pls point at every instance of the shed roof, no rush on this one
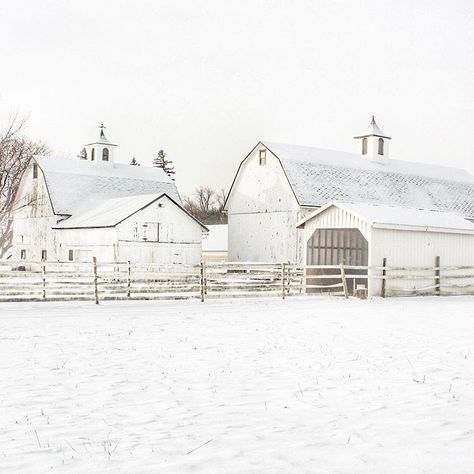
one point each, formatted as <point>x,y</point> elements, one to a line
<point>318,176</point>
<point>382,216</point>
<point>73,184</point>
<point>111,212</point>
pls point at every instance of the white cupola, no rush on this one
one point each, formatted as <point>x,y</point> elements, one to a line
<point>374,143</point>
<point>101,152</point>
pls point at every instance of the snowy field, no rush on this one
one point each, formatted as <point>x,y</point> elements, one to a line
<point>308,385</point>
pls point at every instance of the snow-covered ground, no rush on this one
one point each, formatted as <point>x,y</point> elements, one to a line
<point>315,385</point>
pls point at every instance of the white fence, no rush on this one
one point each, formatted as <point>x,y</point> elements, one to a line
<point>62,281</point>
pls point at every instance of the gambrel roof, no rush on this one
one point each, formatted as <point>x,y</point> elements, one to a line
<point>73,184</point>
<point>318,176</point>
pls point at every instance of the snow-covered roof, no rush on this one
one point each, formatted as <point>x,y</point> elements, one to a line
<point>216,241</point>
<point>110,212</point>
<point>373,130</point>
<point>318,176</point>
<point>103,140</point>
<point>73,183</point>
<point>395,216</point>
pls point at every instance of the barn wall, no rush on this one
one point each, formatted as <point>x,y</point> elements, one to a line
<point>87,243</point>
<point>180,236</point>
<point>33,219</point>
<point>417,248</point>
<point>263,213</point>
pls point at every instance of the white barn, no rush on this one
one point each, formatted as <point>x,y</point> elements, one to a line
<point>277,185</point>
<point>362,234</point>
<point>76,209</point>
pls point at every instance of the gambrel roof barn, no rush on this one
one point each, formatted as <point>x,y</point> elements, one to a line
<point>277,184</point>
<point>75,209</point>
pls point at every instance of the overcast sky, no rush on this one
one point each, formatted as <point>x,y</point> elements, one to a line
<point>207,79</point>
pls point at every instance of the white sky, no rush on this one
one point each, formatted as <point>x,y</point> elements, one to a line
<point>207,79</point>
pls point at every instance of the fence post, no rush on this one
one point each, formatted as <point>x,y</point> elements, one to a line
<point>43,275</point>
<point>384,276</point>
<point>96,289</point>
<point>201,269</point>
<point>283,280</point>
<point>129,278</point>
<point>437,276</point>
<point>344,282</point>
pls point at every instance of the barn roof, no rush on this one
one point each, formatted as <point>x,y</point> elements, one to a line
<point>382,216</point>
<point>318,176</point>
<point>73,183</point>
<point>110,212</point>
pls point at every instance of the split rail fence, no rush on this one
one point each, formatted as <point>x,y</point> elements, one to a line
<point>98,281</point>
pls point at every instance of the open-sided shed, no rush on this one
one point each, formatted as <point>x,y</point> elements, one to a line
<point>362,234</point>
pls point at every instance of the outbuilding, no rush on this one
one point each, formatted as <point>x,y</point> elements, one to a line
<point>367,235</point>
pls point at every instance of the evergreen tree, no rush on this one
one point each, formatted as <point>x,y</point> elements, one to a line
<point>161,162</point>
<point>82,154</point>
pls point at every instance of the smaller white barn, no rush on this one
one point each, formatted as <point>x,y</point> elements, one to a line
<point>71,210</point>
<point>362,234</point>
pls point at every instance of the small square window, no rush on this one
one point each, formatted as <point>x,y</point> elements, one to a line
<point>23,254</point>
<point>263,157</point>
<point>44,255</point>
<point>71,255</point>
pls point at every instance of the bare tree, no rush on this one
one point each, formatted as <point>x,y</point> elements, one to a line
<point>16,152</point>
<point>206,205</point>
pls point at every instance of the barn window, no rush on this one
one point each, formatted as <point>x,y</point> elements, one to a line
<point>35,171</point>
<point>105,154</point>
<point>151,232</point>
<point>71,255</point>
<point>93,154</point>
<point>44,255</point>
<point>381,146</point>
<point>364,146</point>
<point>23,254</point>
<point>263,157</point>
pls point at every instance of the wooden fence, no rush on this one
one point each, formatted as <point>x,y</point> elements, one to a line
<point>98,281</point>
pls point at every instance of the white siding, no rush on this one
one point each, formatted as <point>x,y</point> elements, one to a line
<point>33,219</point>
<point>263,213</point>
<point>180,236</point>
<point>408,248</point>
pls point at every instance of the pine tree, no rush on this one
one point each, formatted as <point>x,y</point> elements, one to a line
<point>82,154</point>
<point>134,162</point>
<point>161,162</point>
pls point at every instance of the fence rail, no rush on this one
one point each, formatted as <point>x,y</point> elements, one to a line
<point>98,281</point>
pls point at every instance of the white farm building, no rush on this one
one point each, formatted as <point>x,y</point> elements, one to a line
<point>361,234</point>
<point>76,209</point>
<point>277,186</point>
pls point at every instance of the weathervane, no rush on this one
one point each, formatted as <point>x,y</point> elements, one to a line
<point>102,127</point>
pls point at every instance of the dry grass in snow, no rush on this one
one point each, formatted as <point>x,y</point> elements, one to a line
<point>303,385</point>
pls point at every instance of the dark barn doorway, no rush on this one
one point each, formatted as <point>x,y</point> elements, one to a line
<point>333,247</point>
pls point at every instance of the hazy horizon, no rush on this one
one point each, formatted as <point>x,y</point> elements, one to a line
<point>206,80</point>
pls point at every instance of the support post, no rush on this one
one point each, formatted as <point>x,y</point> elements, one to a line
<point>201,281</point>
<point>384,276</point>
<point>344,282</point>
<point>437,276</point>
<point>129,278</point>
<point>43,275</point>
<point>96,289</point>
<point>283,280</point>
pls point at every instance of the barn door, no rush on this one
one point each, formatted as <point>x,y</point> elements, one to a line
<point>336,246</point>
